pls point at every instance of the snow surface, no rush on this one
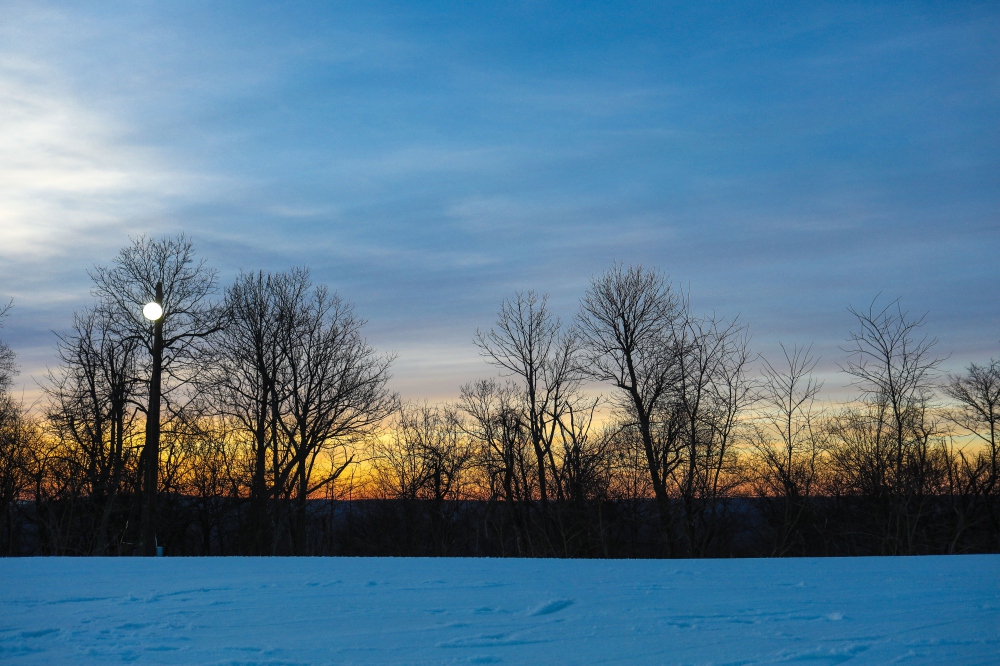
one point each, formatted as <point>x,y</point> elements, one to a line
<point>480,611</point>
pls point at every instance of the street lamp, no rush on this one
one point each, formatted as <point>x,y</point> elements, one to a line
<point>154,312</point>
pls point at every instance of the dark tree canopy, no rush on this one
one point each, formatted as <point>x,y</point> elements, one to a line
<point>644,429</point>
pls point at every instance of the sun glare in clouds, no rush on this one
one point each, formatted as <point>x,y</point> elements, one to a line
<point>66,173</point>
<point>72,189</point>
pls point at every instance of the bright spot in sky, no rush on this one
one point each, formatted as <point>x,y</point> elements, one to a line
<point>152,311</point>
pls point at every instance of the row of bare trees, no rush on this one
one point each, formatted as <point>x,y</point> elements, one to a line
<point>292,382</point>
<point>263,388</point>
<point>279,434</point>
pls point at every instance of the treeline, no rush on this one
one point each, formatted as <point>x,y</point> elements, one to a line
<point>276,433</point>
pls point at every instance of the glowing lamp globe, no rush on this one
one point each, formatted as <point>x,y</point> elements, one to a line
<point>152,311</point>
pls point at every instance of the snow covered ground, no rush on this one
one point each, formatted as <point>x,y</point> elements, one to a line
<point>931,610</point>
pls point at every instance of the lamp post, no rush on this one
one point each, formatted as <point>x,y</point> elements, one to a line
<point>154,312</point>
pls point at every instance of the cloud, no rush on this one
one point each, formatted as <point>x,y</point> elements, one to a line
<point>427,167</point>
<point>73,187</point>
<point>67,177</point>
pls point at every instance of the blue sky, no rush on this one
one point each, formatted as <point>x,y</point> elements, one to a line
<point>428,159</point>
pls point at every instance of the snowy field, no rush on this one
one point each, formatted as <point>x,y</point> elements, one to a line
<point>927,610</point>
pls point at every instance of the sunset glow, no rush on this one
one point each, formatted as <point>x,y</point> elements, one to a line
<point>548,332</point>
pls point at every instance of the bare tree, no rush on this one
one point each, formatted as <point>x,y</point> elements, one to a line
<point>892,367</point>
<point>527,343</point>
<point>17,435</point>
<point>629,486</point>
<point>583,467</point>
<point>8,367</point>
<point>886,444</point>
<point>977,393</point>
<point>335,394</point>
<point>583,458</point>
<point>163,269</point>
<point>626,325</point>
<point>425,459</point>
<point>712,390</point>
<point>92,399</point>
<point>210,481</point>
<point>247,380</point>
<point>496,426</point>
<point>788,449</point>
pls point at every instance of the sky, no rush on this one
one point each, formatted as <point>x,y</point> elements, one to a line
<point>782,161</point>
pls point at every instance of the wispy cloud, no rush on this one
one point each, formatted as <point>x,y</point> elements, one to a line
<point>785,161</point>
<point>68,178</point>
<point>73,186</point>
